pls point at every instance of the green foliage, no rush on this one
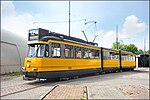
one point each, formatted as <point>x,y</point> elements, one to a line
<point>132,48</point>
<point>148,51</point>
<point>129,48</point>
<point>125,47</point>
<point>140,52</point>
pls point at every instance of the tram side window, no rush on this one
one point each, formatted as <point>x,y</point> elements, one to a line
<point>106,55</point>
<point>68,51</point>
<point>133,58</point>
<point>127,57</point>
<point>46,51</point>
<point>92,54</point>
<point>123,57</point>
<point>114,56</point>
<point>110,55</point>
<point>96,53</point>
<point>130,58</point>
<point>78,52</point>
<point>55,50</point>
<point>85,53</point>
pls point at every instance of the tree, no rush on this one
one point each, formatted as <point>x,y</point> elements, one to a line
<point>120,45</point>
<point>148,51</point>
<point>125,47</point>
<point>140,51</point>
<point>131,48</point>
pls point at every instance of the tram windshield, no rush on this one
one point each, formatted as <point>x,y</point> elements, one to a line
<point>38,50</point>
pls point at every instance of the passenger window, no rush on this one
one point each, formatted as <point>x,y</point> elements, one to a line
<point>127,57</point>
<point>133,58</point>
<point>68,51</point>
<point>78,52</point>
<point>85,53</point>
<point>46,51</point>
<point>123,57</point>
<point>106,55</point>
<point>91,54</point>
<point>110,55</point>
<point>114,56</point>
<point>55,50</point>
<point>96,53</point>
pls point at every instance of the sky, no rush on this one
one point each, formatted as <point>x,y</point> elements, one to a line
<point>132,18</point>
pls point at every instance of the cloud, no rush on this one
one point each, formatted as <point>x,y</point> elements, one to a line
<point>107,39</point>
<point>18,24</point>
<point>132,25</point>
<point>21,23</point>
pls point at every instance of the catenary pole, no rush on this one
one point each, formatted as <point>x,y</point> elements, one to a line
<point>69,17</point>
<point>117,36</point>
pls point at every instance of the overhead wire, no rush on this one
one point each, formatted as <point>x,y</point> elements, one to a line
<point>60,21</point>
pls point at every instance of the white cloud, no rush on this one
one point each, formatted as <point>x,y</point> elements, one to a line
<point>100,32</point>
<point>18,24</point>
<point>107,39</point>
<point>21,23</point>
<point>132,25</point>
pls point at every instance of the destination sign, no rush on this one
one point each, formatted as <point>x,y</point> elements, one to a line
<point>33,34</point>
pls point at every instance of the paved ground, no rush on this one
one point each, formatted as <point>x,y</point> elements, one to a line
<point>122,85</point>
<point>67,92</point>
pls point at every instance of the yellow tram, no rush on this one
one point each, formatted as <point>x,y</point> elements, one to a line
<point>54,55</point>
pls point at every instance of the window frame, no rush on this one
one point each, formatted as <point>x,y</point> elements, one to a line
<point>71,51</point>
<point>80,48</point>
<point>52,50</point>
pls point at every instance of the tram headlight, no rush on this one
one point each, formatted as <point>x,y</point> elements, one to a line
<point>28,65</point>
<point>23,68</point>
<point>34,69</point>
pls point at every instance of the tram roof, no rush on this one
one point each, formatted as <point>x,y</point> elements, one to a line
<point>44,38</point>
<point>45,35</point>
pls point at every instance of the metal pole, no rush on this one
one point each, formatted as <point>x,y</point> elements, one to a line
<point>95,37</point>
<point>69,17</point>
<point>117,36</point>
<point>144,54</point>
<point>85,36</point>
<point>144,46</point>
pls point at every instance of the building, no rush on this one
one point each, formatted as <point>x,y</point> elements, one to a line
<point>13,51</point>
<point>143,60</point>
